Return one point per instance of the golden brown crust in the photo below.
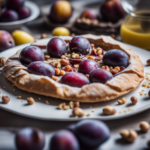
(128, 80)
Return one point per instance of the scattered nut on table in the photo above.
(128, 135)
(109, 110)
(144, 126)
(43, 36)
(78, 112)
(5, 99)
(122, 101)
(61, 106)
(2, 61)
(30, 100)
(74, 104)
(134, 100)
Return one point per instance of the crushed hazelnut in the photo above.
(117, 68)
(134, 100)
(57, 71)
(106, 68)
(148, 62)
(62, 72)
(78, 112)
(122, 101)
(114, 71)
(54, 78)
(58, 65)
(61, 106)
(144, 84)
(5, 99)
(68, 68)
(109, 110)
(2, 61)
(47, 56)
(91, 57)
(88, 115)
(129, 135)
(19, 97)
(144, 126)
(43, 36)
(75, 55)
(66, 107)
(64, 62)
(76, 66)
(30, 100)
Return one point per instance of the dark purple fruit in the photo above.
(100, 76)
(29, 139)
(41, 68)
(9, 16)
(24, 12)
(6, 40)
(30, 54)
(79, 44)
(56, 47)
(14, 4)
(88, 65)
(74, 79)
(111, 10)
(71, 127)
(116, 57)
(89, 14)
(64, 140)
(91, 133)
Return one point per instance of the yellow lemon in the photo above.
(22, 37)
(60, 31)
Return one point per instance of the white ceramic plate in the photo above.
(35, 12)
(41, 110)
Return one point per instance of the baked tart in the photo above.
(85, 68)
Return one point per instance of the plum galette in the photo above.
(85, 68)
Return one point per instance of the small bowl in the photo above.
(35, 12)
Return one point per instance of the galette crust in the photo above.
(128, 80)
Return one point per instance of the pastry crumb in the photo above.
(144, 84)
(30, 100)
(19, 96)
(88, 115)
(47, 102)
(93, 110)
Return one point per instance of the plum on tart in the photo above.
(86, 68)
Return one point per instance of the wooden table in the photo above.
(10, 123)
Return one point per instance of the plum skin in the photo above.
(115, 57)
(29, 139)
(91, 133)
(24, 12)
(41, 68)
(88, 65)
(64, 140)
(30, 54)
(14, 4)
(79, 44)
(56, 47)
(6, 40)
(74, 79)
(100, 76)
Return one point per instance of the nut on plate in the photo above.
(30, 100)
(134, 100)
(2, 61)
(109, 110)
(144, 126)
(5, 99)
(78, 112)
(122, 101)
(128, 135)
(61, 106)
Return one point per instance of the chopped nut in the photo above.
(78, 112)
(144, 84)
(58, 65)
(134, 100)
(64, 62)
(19, 97)
(5, 99)
(122, 101)
(91, 57)
(30, 100)
(66, 107)
(57, 71)
(148, 62)
(68, 68)
(75, 55)
(144, 126)
(109, 110)
(93, 110)
(88, 115)
(114, 71)
(92, 45)
(71, 104)
(43, 36)
(63, 56)
(2, 61)
(76, 66)
(117, 68)
(62, 72)
(47, 56)
(106, 68)
(129, 136)
(61, 106)
(54, 78)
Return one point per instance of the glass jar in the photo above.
(136, 28)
